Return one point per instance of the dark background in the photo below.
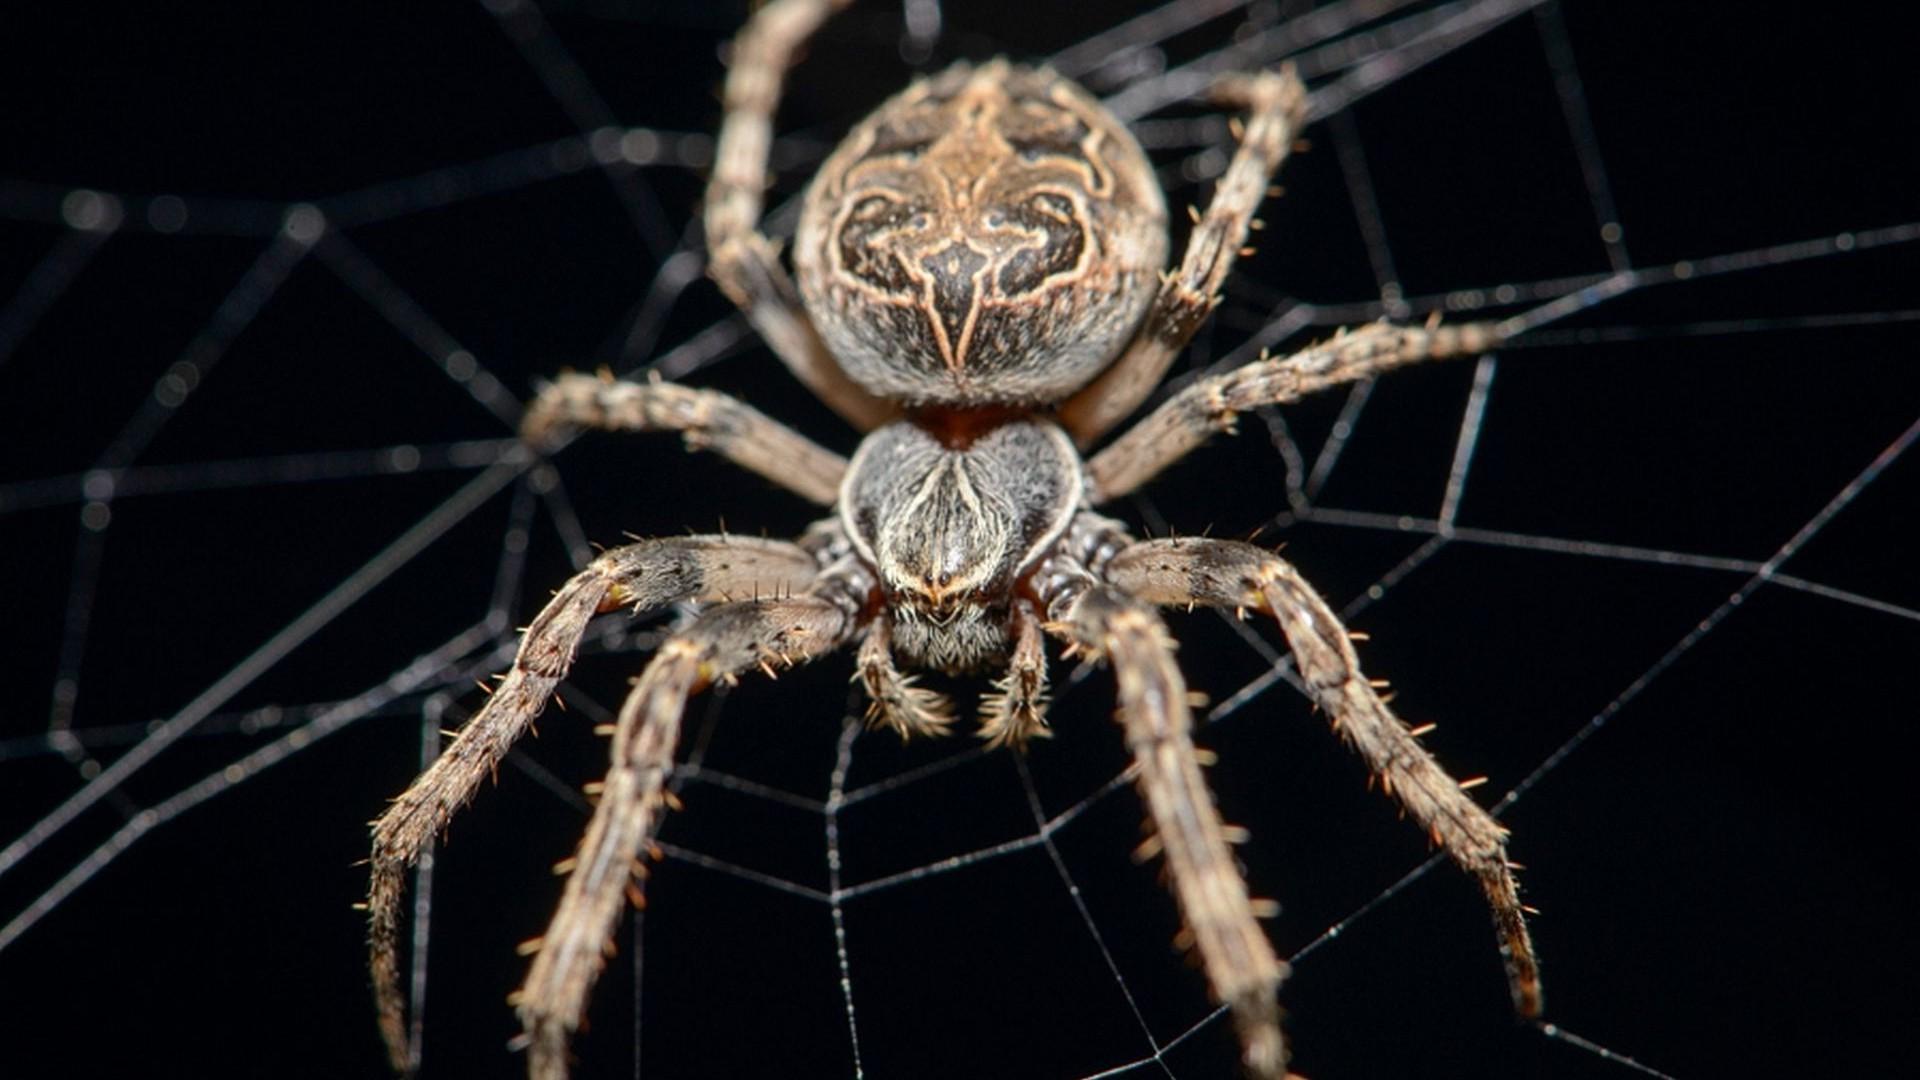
(1717, 866)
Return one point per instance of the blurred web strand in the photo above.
(1372, 59)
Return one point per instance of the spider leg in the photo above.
(1203, 408)
(1017, 709)
(645, 575)
(718, 645)
(1239, 962)
(1225, 573)
(741, 258)
(1276, 105)
(894, 702)
(709, 420)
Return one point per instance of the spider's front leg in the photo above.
(744, 262)
(1223, 573)
(1239, 961)
(1276, 105)
(644, 576)
(720, 644)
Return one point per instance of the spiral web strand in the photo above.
(452, 517)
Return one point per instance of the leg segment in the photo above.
(893, 701)
(708, 419)
(1276, 107)
(721, 643)
(1193, 415)
(741, 259)
(644, 575)
(1016, 711)
(1239, 961)
(1224, 573)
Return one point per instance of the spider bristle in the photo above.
(1237, 128)
(673, 801)
(1529, 909)
(530, 946)
(1235, 834)
(1472, 782)
(1264, 908)
(636, 897)
(1379, 684)
(1205, 757)
(1193, 213)
(654, 852)
(484, 688)
(361, 905)
(1149, 849)
(1359, 635)
(1246, 251)
(449, 733)
(1423, 729)
(513, 1002)
(1274, 191)
(566, 865)
(1185, 940)
(593, 788)
(605, 729)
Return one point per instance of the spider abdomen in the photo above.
(949, 529)
(991, 235)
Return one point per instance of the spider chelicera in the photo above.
(978, 286)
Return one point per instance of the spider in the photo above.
(978, 287)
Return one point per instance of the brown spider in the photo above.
(980, 289)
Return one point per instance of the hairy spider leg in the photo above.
(1220, 919)
(1276, 103)
(744, 262)
(1229, 574)
(708, 419)
(1209, 406)
(645, 575)
(721, 643)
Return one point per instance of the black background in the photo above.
(1718, 866)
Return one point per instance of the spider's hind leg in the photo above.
(744, 262)
(1276, 104)
(1223, 573)
(645, 575)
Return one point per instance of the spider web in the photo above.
(272, 286)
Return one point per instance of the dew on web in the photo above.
(264, 527)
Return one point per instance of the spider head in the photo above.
(948, 529)
(989, 236)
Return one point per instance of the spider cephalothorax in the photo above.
(980, 263)
(951, 526)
